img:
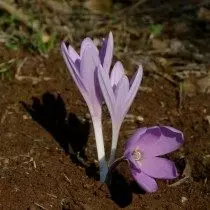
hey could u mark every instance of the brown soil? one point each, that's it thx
(38, 121)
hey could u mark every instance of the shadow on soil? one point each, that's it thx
(69, 131)
(72, 135)
(121, 189)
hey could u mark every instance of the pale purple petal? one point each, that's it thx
(87, 42)
(106, 52)
(76, 77)
(135, 83)
(72, 69)
(89, 65)
(146, 182)
(147, 143)
(106, 89)
(160, 140)
(74, 57)
(140, 69)
(170, 140)
(117, 73)
(72, 53)
(132, 142)
(157, 167)
(121, 90)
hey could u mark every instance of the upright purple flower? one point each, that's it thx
(118, 94)
(83, 69)
(142, 151)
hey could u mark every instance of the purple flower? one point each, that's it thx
(118, 94)
(83, 69)
(142, 151)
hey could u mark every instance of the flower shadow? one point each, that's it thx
(122, 187)
(66, 128)
(120, 190)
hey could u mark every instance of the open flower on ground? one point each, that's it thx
(142, 151)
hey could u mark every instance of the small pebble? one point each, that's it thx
(139, 119)
(88, 116)
(26, 117)
(6, 161)
(207, 118)
(145, 89)
(183, 199)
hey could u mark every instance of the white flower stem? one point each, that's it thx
(103, 167)
(115, 136)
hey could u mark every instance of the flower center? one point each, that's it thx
(137, 155)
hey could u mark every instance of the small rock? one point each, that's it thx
(45, 37)
(26, 117)
(162, 104)
(6, 161)
(139, 119)
(207, 118)
(87, 116)
(145, 89)
(183, 200)
(133, 118)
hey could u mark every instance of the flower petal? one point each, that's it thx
(106, 52)
(89, 63)
(146, 182)
(146, 143)
(88, 68)
(72, 69)
(106, 90)
(74, 57)
(87, 42)
(171, 139)
(131, 143)
(76, 77)
(122, 89)
(73, 54)
(120, 92)
(140, 75)
(160, 168)
(116, 74)
(160, 140)
(135, 83)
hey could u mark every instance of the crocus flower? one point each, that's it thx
(118, 94)
(142, 151)
(83, 69)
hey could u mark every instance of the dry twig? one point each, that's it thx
(35, 80)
